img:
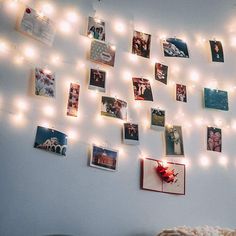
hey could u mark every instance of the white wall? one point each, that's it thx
(44, 194)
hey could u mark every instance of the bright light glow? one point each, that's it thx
(164, 162)
(72, 16)
(120, 27)
(145, 123)
(153, 61)
(19, 118)
(65, 27)
(72, 135)
(204, 161)
(45, 124)
(80, 65)
(127, 75)
(3, 47)
(163, 37)
(133, 57)
(186, 162)
(49, 111)
(218, 122)
(99, 120)
(55, 59)
(21, 105)
(233, 41)
(11, 5)
(113, 47)
(199, 121)
(194, 76)
(29, 52)
(46, 9)
(18, 59)
(223, 161)
(97, 20)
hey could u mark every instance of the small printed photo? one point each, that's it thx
(174, 47)
(157, 119)
(73, 101)
(102, 52)
(214, 139)
(97, 80)
(161, 73)
(141, 44)
(216, 99)
(44, 82)
(37, 26)
(181, 93)
(104, 158)
(216, 51)
(168, 177)
(114, 107)
(130, 133)
(51, 140)
(174, 141)
(96, 28)
(142, 89)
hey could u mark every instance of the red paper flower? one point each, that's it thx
(166, 174)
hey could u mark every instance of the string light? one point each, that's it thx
(3, 47)
(55, 59)
(65, 27)
(29, 52)
(22, 105)
(72, 16)
(49, 111)
(120, 27)
(72, 135)
(204, 161)
(46, 10)
(223, 161)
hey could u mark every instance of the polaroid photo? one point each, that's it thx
(174, 47)
(37, 26)
(130, 134)
(141, 44)
(104, 158)
(73, 101)
(216, 99)
(51, 140)
(113, 107)
(142, 89)
(157, 119)
(96, 29)
(214, 139)
(97, 80)
(161, 73)
(163, 177)
(102, 53)
(45, 82)
(217, 53)
(174, 141)
(181, 93)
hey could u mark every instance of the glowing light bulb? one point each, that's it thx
(3, 47)
(29, 52)
(49, 111)
(204, 161)
(97, 20)
(72, 135)
(21, 105)
(65, 27)
(120, 27)
(18, 59)
(164, 162)
(133, 57)
(113, 47)
(194, 76)
(72, 16)
(46, 9)
(223, 161)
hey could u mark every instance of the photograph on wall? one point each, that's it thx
(73, 101)
(51, 140)
(214, 139)
(161, 73)
(104, 158)
(97, 80)
(217, 53)
(114, 107)
(181, 93)
(96, 28)
(45, 82)
(216, 99)
(130, 133)
(174, 141)
(37, 26)
(157, 119)
(103, 53)
(141, 44)
(174, 47)
(142, 89)
(165, 177)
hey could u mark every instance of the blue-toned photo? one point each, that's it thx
(51, 140)
(104, 158)
(174, 47)
(216, 99)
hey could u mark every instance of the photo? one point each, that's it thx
(216, 51)
(174, 47)
(214, 139)
(165, 177)
(97, 80)
(102, 53)
(104, 158)
(130, 133)
(96, 28)
(142, 89)
(216, 99)
(157, 119)
(37, 26)
(44, 82)
(161, 73)
(73, 101)
(114, 107)
(174, 141)
(51, 140)
(181, 93)
(141, 44)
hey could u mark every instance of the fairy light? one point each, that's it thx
(133, 57)
(18, 59)
(120, 27)
(72, 16)
(204, 161)
(46, 10)
(223, 161)
(3, 47)
(186, 162)
(145, 123)
(29, 52)
(164, 162)
(127, 75)
(21, 105)
(194, 76)
(65, 27)
(45, 124)
(199, 121)
(55, 59)
(72, 135)
(49, 111)
(97, 20)
(113, 47)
